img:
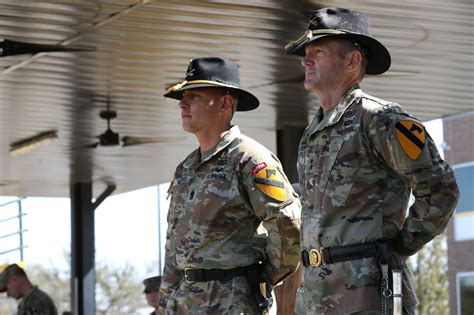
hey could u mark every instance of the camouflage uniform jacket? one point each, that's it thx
(218, 200)
(36, 302)
(357, 167)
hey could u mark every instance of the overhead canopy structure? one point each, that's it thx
(124, 53)
(81, 75)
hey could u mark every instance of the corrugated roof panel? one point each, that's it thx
(140, 53)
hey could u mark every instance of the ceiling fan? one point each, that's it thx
(111, 138)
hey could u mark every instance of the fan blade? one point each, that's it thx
(90, 146)
(128, 140)
(299, 78)
(11, 48)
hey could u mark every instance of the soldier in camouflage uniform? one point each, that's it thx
(220, 194)
(152, 292)
(16, 284)
(359, 162)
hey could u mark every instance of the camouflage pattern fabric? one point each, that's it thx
(358, 165)
(407, 310)
(36, 302)
(218, 200)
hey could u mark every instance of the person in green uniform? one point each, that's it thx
(374, 189)
(15, 282)
(221, 193)
(152, 292)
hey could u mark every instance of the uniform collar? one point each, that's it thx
(333, 116)
(30, 292)
(196, 158)
(228, 137)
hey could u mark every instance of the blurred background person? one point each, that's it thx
(15, 282)
(152, 292)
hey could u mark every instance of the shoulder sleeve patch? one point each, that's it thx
(411, 136)
(269, 181)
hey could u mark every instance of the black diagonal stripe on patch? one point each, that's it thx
(268, 182)
(410, 136)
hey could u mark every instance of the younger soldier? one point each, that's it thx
(14, 281)
(220, 194)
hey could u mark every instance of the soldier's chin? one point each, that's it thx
(187, 128)
(309, 84)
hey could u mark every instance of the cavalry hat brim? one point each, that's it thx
(247, 101)
(379, 59)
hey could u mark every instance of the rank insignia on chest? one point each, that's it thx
(223, 161)
(270, 182)
(412, 137)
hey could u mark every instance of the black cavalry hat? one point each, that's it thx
(344, 23)
(214, 72)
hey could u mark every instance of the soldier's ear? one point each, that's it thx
(227, 102)
(354, 60)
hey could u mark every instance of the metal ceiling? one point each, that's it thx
(142, 47)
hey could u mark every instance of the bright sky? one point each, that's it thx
(126, 230)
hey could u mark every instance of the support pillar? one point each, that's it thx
(82, 250)
(288, 140)
(83, 247)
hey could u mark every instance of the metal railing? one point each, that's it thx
(8, 220)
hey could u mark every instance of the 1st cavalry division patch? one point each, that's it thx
(411, 137)
(269, 181)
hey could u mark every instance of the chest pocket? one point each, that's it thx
(219, 182)
(323, 169)
(215, 193)
(325, 162)
(340, 179)
(180, 187)
(179, 195)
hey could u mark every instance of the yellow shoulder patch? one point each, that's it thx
(412, 137)
(269, 181)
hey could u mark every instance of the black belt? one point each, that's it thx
(315, 257)
(203, 275)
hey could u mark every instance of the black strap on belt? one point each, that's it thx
(203, 275)
(324, 256)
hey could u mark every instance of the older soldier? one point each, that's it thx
(359, 162)
(152, 292)
(16, 284)
(220, 194)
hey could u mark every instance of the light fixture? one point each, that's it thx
(28, 144)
